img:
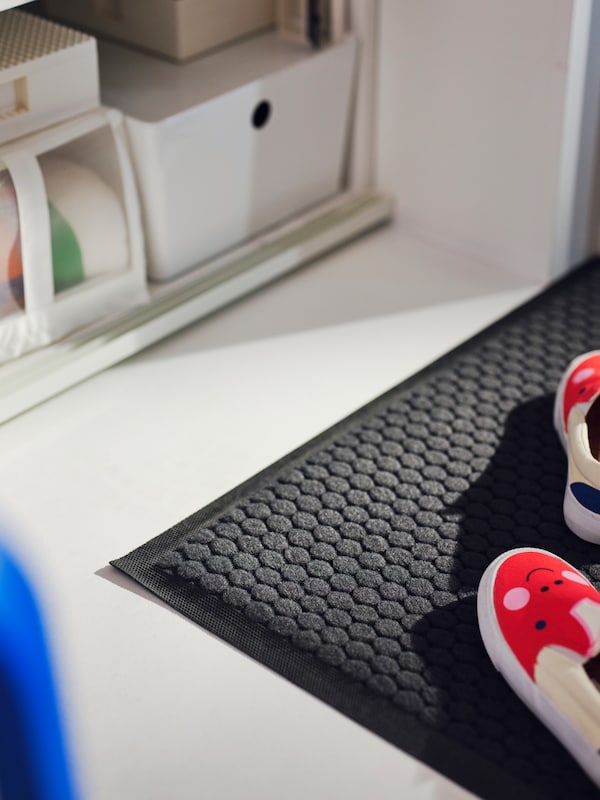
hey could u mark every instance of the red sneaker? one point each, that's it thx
(577, 422)
(540, 623)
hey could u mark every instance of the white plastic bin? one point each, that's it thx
(230, 144)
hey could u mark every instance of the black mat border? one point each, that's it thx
(302, 669)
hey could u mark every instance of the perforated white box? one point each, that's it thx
(48, 73)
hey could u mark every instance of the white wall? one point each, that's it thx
(469, 121)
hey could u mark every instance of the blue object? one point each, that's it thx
(33, 761)
(588, 496)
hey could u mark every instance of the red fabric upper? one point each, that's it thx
(534, 597)
(582, 385)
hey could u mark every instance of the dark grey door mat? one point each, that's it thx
(351, 566)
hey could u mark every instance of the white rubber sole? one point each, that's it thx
(509, 667)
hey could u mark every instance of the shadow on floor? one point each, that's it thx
(516, 502)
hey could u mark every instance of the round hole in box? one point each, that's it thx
(261, 114)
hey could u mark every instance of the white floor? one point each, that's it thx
(156, 707)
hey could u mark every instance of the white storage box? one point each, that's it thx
(231, 144)
(178, 29)
(71, 247)
(48, 73)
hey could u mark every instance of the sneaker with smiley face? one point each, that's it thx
(577, 422)
(540, 623)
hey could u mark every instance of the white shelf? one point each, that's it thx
(37, 376)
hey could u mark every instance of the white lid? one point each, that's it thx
(151, 89)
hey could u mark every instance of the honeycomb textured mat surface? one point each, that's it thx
(351, 566)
